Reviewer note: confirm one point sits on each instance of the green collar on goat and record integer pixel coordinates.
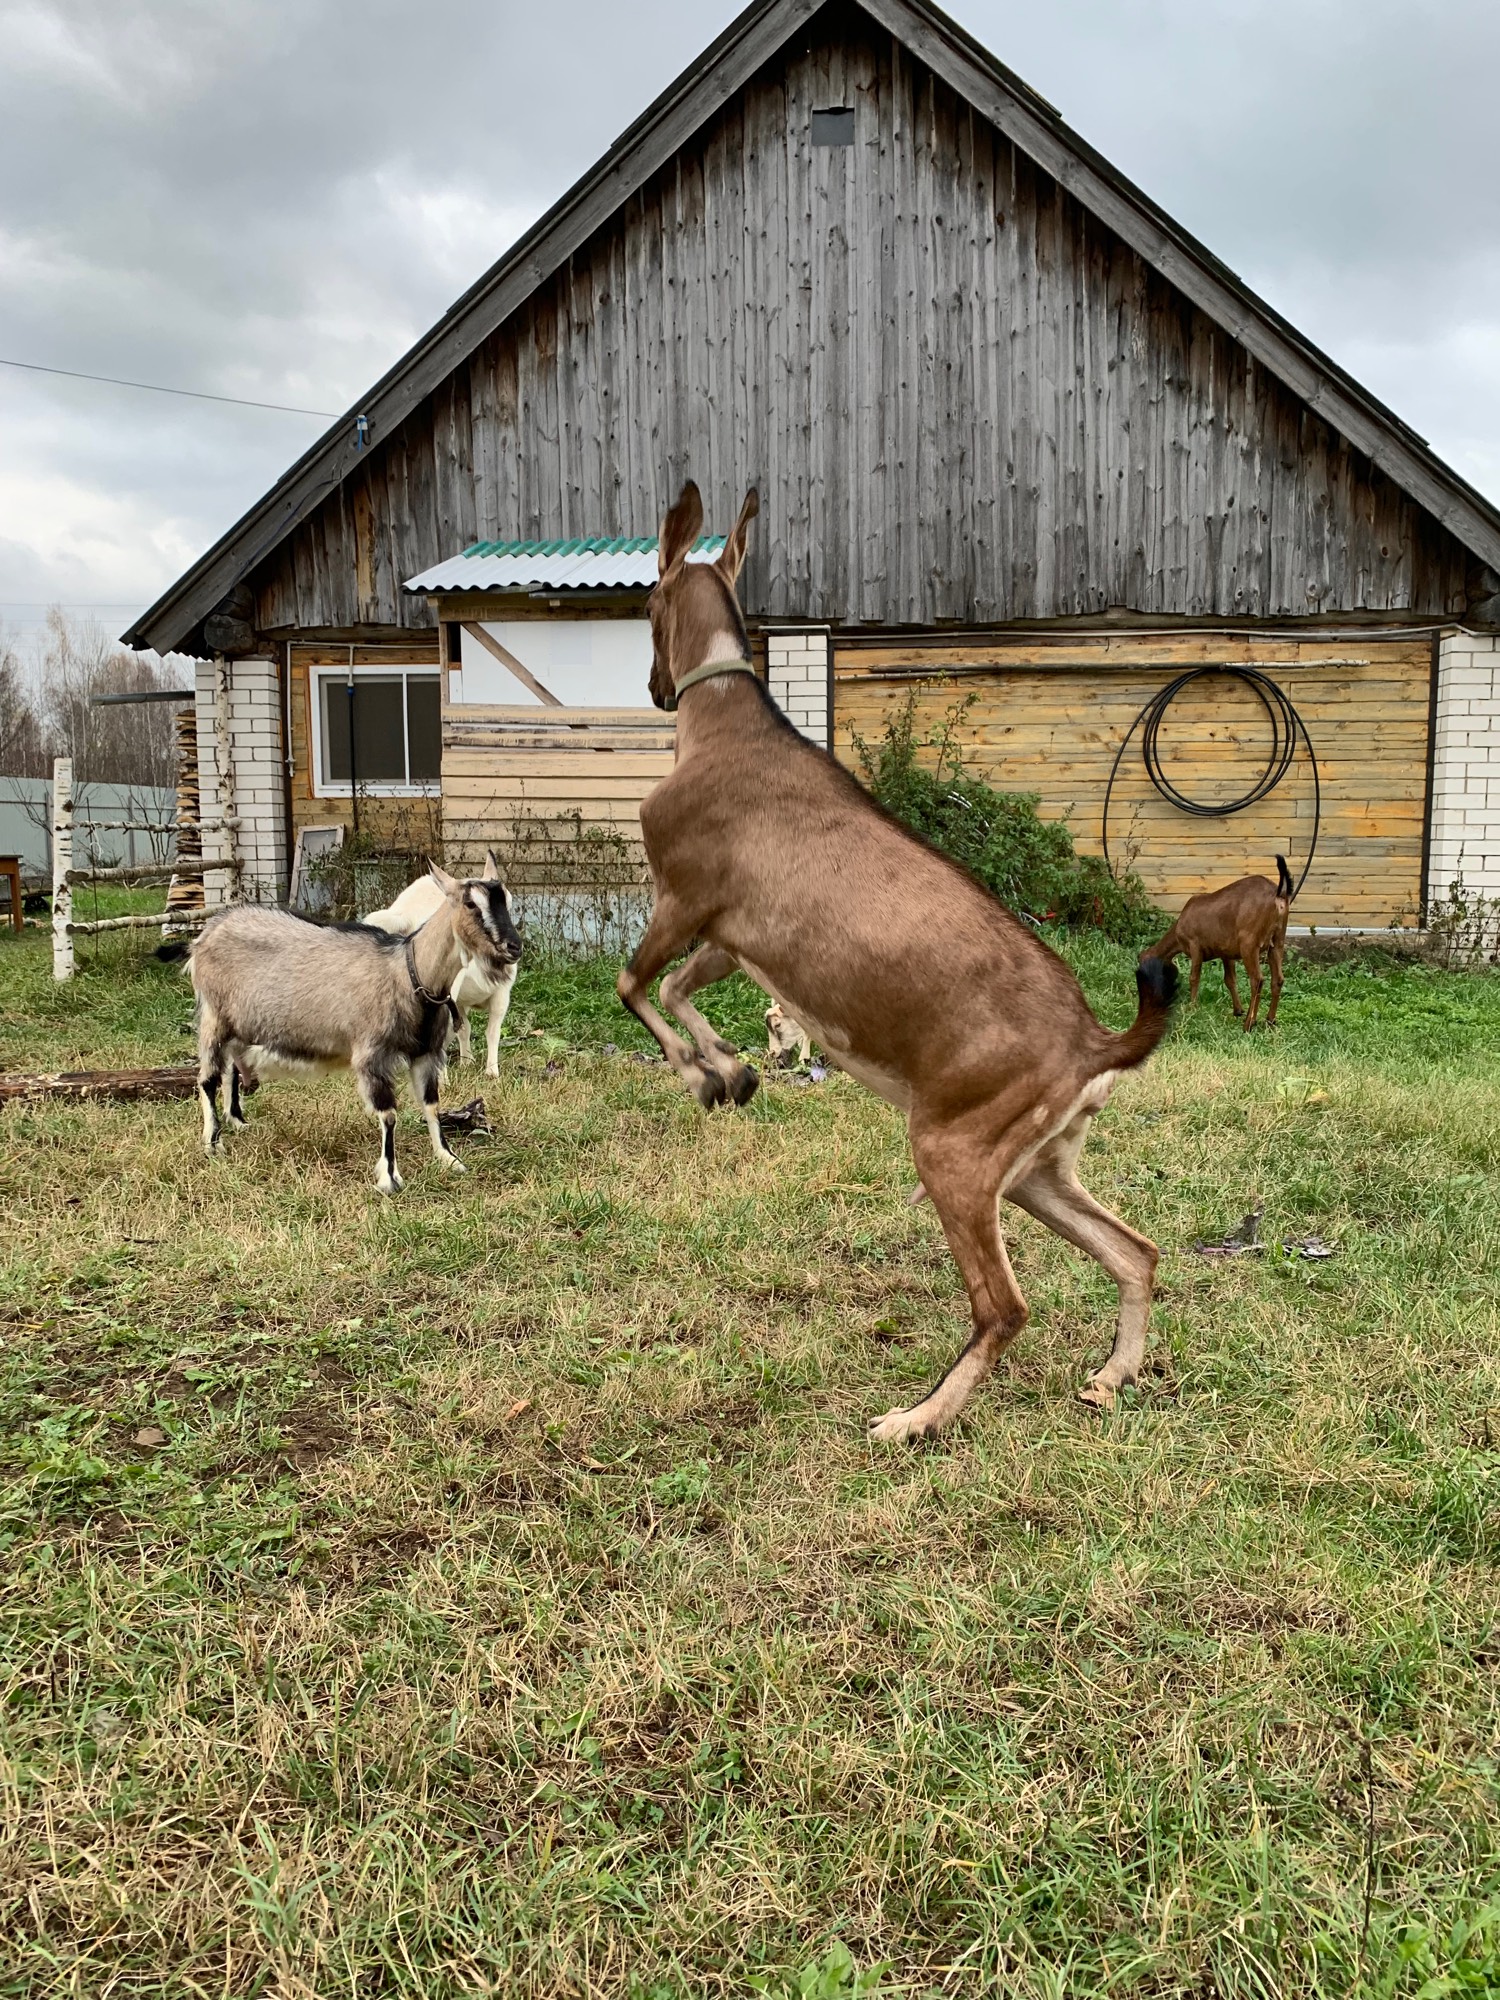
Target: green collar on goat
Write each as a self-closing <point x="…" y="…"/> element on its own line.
<point x="707" y="673"/>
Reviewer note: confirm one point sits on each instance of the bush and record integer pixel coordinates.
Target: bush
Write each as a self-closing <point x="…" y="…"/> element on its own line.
<point x="1028" y="862"/>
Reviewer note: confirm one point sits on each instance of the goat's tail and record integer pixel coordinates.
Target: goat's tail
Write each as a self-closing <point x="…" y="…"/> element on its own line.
<point x="1156" y="983"/>
<point x="179" y="948"/>
<point x="1285" y="887"/>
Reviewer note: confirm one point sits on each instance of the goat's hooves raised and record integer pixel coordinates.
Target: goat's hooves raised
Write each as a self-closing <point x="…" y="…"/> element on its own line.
<point x="745" y="1085"/>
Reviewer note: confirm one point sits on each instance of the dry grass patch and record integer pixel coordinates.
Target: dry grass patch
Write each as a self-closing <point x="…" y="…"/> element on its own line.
<point x="515" y="1604"/>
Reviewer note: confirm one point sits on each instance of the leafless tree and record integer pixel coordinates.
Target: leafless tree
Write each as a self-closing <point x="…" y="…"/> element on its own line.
<point x="121" y="744"/>
<point x="23" y="752"/>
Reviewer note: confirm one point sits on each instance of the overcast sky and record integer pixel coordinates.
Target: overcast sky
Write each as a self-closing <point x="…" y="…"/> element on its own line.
<point x="273" y="198"/>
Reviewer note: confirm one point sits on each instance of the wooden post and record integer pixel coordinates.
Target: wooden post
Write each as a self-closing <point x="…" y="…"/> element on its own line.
<point x="218" y="883"/>
<point x="62" y="863"/>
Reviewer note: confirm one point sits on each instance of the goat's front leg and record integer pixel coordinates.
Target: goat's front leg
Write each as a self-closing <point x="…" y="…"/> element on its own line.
<point x="495" y="1026"/>
<point x="379" y="1094"/>
<point x="709" y="964"/>
<point x="1233" y="985"/>
<point x="668" y="935"/>
<point x="426" y="1074"/>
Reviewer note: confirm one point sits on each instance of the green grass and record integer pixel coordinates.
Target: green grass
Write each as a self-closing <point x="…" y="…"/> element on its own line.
<point x="516" y="1607"/>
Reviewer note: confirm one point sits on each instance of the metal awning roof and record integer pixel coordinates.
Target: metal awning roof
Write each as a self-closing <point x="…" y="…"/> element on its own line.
<point x="594" y="562"/>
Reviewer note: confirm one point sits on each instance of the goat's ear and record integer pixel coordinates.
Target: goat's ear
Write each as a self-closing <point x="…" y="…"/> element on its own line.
<point x="732" y="559"/>
<point x="449" y="884"/>
<point x="679" y="529"/>
<point x="491" y="866"/>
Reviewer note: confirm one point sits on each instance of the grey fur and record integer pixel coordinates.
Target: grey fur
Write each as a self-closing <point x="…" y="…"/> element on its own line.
<point x="278" y="993"/>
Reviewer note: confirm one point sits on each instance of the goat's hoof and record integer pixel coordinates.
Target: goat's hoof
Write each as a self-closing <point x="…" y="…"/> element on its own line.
<point x="707" y="1086"/>
<point x="237" y="1121"/>
<point x="453" y="1163"/>
<point x="389" y="1184"/>
<point x="746" y="1083"/>
<point x="1098" y="1395"/>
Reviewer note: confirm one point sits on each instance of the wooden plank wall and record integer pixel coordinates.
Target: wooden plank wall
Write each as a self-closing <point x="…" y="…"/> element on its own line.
<point x="413" y="825"/>
<point x="1048" y="718"/>
<point x="962" y="398"/>
<point x="556" y="792"/>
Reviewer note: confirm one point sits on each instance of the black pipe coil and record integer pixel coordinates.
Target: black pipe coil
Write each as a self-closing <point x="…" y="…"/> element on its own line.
<point x="1286" y="726"/>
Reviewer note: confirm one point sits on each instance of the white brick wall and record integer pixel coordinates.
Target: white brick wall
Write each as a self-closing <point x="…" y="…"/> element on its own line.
<point x="251" y="788"/>
<point x="1466" y="766"/>
<point x="797" y="673"/>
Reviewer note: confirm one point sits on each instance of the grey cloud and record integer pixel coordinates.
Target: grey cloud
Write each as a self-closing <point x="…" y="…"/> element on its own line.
<point x="273" y="199"/>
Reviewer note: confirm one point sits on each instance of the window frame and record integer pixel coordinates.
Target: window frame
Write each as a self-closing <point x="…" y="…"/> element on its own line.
<point x="325" y="787"/>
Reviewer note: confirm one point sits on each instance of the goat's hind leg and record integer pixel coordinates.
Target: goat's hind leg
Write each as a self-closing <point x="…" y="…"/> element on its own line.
<point x="668" y="934"/>
<point x="213" y="1045"/>
<point x="426" y="1074"/>
<point x="708" y="964"/>
<point x="963" y="1171"/>
<point x="1051" y="1192"/>
<point x="1232" y="983"/>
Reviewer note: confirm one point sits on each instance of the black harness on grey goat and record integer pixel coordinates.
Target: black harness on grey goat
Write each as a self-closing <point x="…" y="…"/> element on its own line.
<point x="432" y="999"/>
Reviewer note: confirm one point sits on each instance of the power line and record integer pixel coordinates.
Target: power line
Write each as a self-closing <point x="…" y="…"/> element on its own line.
<point x="158" y="389"/>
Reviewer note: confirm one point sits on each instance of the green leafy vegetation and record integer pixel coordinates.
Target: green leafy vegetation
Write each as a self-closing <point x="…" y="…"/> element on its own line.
<point x="1000" y="837"/>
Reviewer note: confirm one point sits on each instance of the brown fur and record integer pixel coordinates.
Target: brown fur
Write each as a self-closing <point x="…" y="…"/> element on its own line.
<point x="1246" y="921"/>
<point x="903" y="969"/>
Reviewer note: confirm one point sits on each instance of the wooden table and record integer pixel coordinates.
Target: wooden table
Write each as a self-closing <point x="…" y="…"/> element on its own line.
<point x="10" y="870"/>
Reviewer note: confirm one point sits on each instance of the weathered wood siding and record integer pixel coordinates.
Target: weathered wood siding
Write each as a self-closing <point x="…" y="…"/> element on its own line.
<point x="1049" y="717"/>
<point x="556" y="792"/>
<point x="962" y="398"/>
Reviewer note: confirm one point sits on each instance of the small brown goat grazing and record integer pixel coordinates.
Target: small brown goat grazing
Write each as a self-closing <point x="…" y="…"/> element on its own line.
<point x="1245" y="920"/>
<point x="903" y="969"/>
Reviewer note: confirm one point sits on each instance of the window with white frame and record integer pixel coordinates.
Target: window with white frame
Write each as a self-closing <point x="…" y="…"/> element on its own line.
<point x="376" y="729"/>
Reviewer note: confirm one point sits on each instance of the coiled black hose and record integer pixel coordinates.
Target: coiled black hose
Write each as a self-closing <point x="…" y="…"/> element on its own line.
<point x="1286" y="726"/>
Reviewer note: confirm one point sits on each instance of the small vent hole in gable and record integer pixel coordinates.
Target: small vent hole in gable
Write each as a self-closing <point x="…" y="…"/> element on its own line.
<point x="834" y="127"/>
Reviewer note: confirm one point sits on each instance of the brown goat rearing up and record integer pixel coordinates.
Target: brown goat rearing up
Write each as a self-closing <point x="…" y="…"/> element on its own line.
<point x="908" y="973"/>
<point x="1245" y="920"/>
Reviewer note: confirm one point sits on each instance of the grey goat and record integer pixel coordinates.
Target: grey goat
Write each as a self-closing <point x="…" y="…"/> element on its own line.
<point x="276" y="992"/>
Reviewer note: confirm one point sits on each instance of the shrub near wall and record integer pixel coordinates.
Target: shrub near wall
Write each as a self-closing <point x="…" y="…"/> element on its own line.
<point x="1028" y="862"/>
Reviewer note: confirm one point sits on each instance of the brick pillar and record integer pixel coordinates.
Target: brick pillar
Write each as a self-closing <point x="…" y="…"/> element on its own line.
<point x="240" y="774"/>
<point x="1466" y="767"/>
<point x="798" y="673"/>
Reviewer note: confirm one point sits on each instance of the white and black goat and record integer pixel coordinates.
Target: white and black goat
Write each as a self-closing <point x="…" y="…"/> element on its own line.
<point x="276" y="992"/>
<point x="476" y="987"/>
